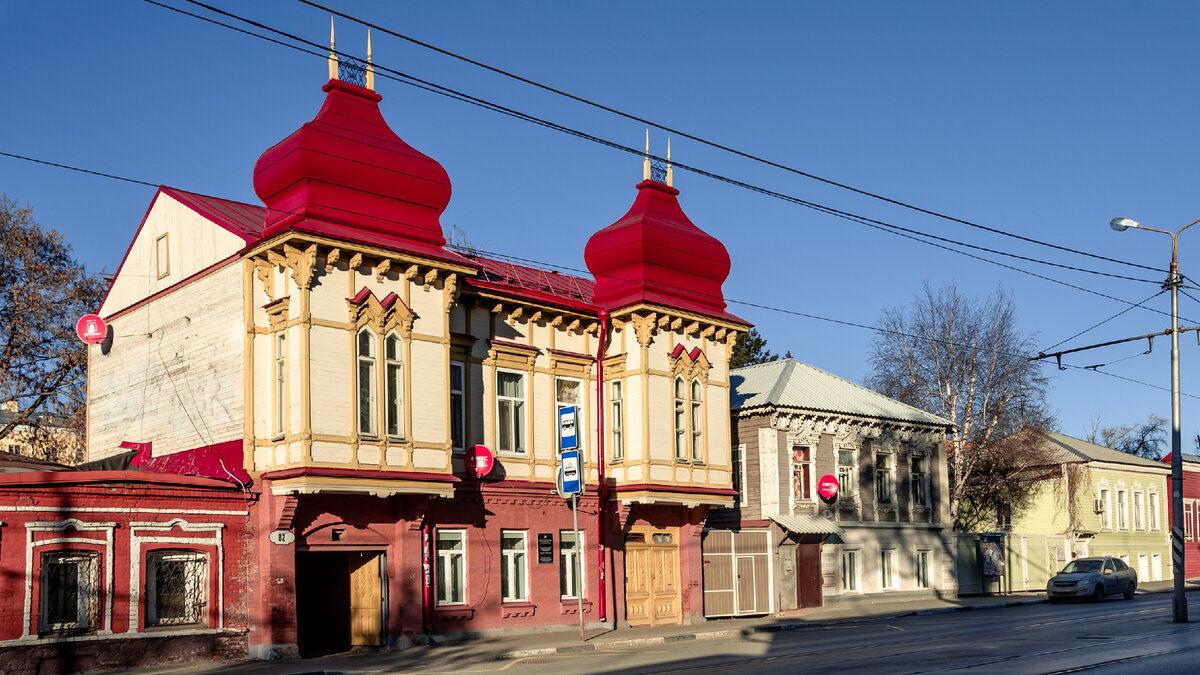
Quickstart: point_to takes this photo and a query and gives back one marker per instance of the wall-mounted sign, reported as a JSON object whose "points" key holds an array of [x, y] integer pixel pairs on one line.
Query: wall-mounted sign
{"points": [[827, 487], [479, 460], [545, 548], [282, 537], [568, 438], [91, 329]]}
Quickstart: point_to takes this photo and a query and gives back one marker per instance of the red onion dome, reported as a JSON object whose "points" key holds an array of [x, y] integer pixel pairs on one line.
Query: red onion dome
{"points": [[347, 175], [654, 254]]}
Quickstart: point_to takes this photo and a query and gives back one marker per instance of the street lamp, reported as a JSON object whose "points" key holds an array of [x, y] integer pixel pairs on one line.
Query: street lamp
{"points": [[1178, 601]]}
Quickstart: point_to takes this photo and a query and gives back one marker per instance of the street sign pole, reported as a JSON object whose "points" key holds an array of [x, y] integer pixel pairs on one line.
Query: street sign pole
{"points": [[578, 561]]}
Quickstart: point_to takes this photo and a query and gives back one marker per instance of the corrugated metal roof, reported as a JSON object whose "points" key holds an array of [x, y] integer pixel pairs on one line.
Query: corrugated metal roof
{"points": [[1061, 448], [792, 384], [808, 524]]}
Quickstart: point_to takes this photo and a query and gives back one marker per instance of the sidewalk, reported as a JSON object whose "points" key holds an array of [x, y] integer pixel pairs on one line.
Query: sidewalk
{"points": [[492, 647]]}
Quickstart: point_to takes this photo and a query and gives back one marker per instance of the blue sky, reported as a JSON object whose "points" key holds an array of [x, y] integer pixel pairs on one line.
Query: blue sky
{"points": [[1045, 120]]}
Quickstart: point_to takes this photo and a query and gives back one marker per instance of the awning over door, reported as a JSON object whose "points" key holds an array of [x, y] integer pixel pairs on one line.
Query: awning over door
{"points": [[808, 524]]}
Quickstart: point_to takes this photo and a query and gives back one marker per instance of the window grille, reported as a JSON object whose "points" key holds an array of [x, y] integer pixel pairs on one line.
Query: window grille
{"points": [[176, 582]]}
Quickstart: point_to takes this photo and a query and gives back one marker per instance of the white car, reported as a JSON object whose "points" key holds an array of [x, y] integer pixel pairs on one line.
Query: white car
{"points": [[1092, 579]]}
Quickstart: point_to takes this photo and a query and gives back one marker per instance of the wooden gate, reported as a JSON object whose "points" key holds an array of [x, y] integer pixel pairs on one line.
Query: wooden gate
{"points": [[737, 573], [652, 593]]}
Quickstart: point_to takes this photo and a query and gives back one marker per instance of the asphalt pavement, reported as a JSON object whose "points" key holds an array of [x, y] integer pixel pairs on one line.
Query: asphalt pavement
{"points": [[465, 649]]}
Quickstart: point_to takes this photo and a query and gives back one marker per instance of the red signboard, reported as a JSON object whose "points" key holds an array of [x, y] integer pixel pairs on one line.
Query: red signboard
{"points": [[91, 329], [479, 460], [827, 487]]}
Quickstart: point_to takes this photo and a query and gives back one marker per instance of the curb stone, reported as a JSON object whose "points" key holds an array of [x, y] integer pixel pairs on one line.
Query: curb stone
{"points": [[745, 632]]}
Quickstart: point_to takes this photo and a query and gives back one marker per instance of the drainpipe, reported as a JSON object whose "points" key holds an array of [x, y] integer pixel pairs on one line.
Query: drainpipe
{"points": [[426, 569], [602, 488]]}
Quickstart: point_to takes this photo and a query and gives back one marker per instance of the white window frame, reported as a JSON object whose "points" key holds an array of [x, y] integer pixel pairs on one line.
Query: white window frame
{"points": [[365, 376], [569, 567], [87, 591], [516, 414], [808, 479], [446, 566], [458, 404], [1139, 511], [280, 384], [393, 387], [580, 418], [919, 480], [1189, 508], [696, 419], [514, 566], [195, 588], [740, 481], [888, 477], [679, 418], [1106, 521], [847, 481], [921, 568], [1122, 514], [889, 575], [852, 581], [616, 427], [1152, 512]]}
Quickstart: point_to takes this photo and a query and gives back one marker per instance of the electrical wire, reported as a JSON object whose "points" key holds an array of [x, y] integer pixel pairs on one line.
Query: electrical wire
{"points": [[1097, 325], [457, 95], [701, 140]]}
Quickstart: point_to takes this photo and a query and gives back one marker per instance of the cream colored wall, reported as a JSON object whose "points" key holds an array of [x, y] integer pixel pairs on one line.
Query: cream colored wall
{"points": [[174, 374], [193, 243], [333, 410], [430, 367]]}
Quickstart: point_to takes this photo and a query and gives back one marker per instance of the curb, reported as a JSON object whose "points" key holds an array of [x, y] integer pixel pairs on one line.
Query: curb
{"points": [[746, 632]]}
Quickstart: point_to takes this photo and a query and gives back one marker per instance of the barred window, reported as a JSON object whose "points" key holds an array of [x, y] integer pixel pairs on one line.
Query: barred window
{"points": [[176, 585], [69, 590]]}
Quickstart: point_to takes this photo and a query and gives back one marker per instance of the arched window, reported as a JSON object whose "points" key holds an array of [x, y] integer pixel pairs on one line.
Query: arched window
{"points": [[697, 421], [366, 382], [395, 386], [680, 419]]}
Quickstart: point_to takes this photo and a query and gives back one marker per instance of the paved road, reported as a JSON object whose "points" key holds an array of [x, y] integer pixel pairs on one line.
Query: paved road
{"points": [[1116, 636]]}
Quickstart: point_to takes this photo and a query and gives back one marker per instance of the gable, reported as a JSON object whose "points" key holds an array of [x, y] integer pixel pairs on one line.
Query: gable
{"points": [[173, 242]]}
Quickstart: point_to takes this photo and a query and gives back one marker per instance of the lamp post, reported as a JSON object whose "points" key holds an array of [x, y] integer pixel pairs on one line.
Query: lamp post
{"points": [[1179, 612]]}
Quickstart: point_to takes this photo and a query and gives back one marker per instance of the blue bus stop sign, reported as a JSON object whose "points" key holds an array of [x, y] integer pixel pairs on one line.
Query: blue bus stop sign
{"points": [[571, 481]]}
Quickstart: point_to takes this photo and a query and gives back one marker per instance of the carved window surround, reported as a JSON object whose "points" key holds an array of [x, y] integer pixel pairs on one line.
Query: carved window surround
{"points": [[389, 314]]}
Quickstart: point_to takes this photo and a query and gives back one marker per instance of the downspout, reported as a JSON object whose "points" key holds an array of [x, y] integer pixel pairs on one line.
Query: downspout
{"points": [[602, 488], [426, 588]]}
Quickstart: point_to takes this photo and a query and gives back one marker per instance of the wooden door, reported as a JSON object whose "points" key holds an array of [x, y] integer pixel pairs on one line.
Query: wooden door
{"points": [[746, 584], [808, 574], [366, 599], [652, 594]]}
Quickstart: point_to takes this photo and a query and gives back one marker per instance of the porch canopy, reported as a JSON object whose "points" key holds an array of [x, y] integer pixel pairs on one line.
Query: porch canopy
{"points": [[803, 524]]}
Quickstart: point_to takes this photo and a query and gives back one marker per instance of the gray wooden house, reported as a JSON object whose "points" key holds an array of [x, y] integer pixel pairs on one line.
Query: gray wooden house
{"points": [[782, 546]]}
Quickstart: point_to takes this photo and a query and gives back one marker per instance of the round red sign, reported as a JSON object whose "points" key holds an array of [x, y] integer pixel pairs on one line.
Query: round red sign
{"points": [[479, 460], [827, 487], [91, 329]]}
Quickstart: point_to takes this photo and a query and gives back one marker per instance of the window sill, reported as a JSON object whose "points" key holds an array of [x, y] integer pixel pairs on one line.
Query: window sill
{"points": [[371, 439], [571, 606], [277, 438], [517, 608], [454, 613]]}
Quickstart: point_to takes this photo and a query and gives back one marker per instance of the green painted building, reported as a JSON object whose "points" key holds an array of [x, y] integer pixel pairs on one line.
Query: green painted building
{"points": [[1092, 500]]}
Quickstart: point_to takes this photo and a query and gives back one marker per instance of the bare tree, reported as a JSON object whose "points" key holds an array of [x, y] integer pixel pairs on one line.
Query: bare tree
{"points": [[1148, 439], [967, 362], [43, 365]]}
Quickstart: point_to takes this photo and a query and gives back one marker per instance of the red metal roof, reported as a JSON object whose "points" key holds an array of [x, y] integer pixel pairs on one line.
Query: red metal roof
{"points": [[244, 220], [533, 284]]}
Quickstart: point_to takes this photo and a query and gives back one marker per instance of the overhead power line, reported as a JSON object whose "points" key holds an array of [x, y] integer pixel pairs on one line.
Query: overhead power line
{"points": [[319, 50], [701, 140]]}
